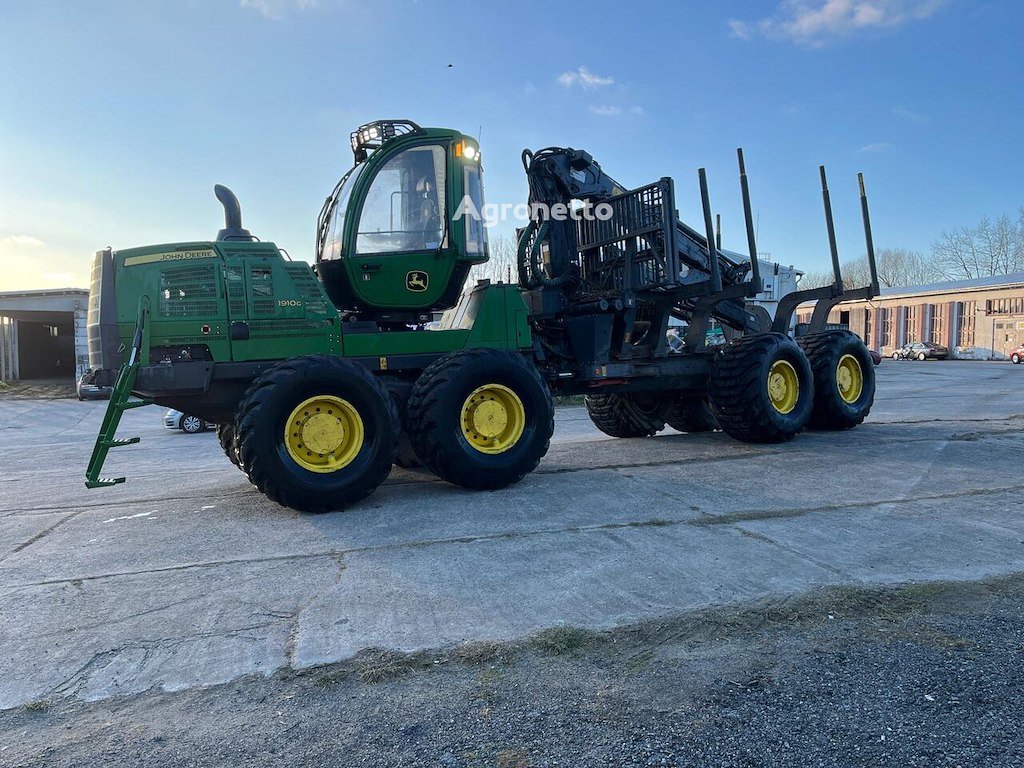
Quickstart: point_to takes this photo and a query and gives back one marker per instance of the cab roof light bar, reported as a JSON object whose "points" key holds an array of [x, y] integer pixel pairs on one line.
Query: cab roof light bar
{"points": [[373, 135]]}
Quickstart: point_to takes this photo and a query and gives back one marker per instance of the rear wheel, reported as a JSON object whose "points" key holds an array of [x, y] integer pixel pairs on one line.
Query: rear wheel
{"points": [[1015, 358], [192, 424], [690, 413], [921, 356], [844, 379], [480, 418], [628, 414], [317, 433], [226, 438], [761, 388]]}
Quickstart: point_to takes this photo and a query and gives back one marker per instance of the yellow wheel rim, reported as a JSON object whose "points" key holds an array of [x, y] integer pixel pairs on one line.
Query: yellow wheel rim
{"points": [[493, 418], [849, 379], [783, 386], [324, 434]]}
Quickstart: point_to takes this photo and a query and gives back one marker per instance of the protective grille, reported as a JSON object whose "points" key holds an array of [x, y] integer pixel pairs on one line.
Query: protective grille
{"points": [[236, 292], [262, 290], [308, 287], [286, 328], [633, 249], [188, 292]]}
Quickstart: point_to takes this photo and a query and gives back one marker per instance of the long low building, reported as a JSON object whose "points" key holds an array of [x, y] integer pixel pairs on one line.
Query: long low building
{"points": [[980, 319]]}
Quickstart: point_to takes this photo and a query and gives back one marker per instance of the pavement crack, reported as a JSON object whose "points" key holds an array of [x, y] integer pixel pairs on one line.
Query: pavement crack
{"points": [[758, 536], [702, 521], [292, 641], [41, 534]]}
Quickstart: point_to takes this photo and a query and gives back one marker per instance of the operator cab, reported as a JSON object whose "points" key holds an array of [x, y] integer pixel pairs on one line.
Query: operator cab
{"points": [[395, 240]]}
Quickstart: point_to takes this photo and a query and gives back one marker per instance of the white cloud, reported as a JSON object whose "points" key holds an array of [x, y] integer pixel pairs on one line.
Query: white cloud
{"points": [[880, 146], [610, 110], [276, 9], [909, 114], [584, 78], [815, 22], [20, 242]]}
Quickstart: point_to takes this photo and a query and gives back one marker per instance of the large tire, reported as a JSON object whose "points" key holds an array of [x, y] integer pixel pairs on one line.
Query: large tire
{"points": [[226, 438], [761, 388], [627, 414], [480, 418], [317, 433], [691, 413], [844, 379]]}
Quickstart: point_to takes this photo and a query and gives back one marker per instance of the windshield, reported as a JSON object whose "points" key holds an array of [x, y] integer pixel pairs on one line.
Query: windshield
{"points": [[404, 208], [333, 241]]}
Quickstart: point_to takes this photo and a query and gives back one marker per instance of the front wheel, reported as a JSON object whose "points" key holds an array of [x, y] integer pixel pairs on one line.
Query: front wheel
{"points": [[844, 379], [480, 418], [317, 433], [1015, 358], [761, 388], [921, 357]]}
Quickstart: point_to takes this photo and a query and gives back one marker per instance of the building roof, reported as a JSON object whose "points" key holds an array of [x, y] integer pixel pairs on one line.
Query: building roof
{"points": [[50, 305], [995, 281]]}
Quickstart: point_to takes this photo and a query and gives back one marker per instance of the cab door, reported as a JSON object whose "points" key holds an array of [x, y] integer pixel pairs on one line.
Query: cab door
{"points": [[403, 256]]}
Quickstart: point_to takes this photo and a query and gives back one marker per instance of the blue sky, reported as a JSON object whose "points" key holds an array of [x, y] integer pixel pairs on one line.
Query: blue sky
{"points": [[118, 117]]}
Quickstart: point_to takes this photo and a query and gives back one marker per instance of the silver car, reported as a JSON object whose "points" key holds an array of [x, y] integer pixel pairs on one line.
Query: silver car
{"points": [[191, 424]]}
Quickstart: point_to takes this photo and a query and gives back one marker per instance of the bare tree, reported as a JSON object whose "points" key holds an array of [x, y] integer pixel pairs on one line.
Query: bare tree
{"points": [[896, 267], [984, 250], [501, 267]]}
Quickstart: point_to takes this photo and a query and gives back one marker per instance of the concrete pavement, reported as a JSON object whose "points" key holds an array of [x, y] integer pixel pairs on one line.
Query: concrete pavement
{"points": [[186, 576]]}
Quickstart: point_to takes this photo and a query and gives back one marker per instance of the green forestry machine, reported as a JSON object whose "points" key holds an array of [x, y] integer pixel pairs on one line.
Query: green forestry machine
{"points": [[321, 378]]}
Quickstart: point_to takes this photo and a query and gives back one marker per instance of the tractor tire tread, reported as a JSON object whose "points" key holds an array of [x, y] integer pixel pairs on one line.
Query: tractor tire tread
{"points": [[736, 391], [828, 413], [617, 416], [250, 411], [425, 418]]}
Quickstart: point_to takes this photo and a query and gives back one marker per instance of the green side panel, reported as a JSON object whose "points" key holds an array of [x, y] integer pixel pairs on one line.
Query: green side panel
{"points": [[199, 292], [411, 343], [490, 316], [500, 319]]}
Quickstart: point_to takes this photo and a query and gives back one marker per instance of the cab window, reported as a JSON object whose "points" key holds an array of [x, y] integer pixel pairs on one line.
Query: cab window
{"points": [[404, 208]]}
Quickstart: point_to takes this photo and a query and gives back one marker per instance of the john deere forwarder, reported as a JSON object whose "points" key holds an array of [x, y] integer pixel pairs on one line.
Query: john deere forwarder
{"points": [[321, 378]]}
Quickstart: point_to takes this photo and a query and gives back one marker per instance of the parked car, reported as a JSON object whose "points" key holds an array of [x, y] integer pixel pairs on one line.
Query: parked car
{"points": [[921, 350], [876, 357], [186, 423], [1017, 355], [92, 387]]}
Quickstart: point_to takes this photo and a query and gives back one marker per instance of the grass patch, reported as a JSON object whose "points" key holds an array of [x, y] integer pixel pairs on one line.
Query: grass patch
{"points": [[379, 666], [478, 652], [559, 641], [512, 758]]}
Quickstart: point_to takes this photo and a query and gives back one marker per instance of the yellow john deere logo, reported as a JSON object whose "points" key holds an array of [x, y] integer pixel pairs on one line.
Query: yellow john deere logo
{"points": [[417, 281]]}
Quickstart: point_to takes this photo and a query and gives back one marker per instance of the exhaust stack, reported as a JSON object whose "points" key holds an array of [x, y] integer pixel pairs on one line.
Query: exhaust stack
{"points": [[232, 215]]}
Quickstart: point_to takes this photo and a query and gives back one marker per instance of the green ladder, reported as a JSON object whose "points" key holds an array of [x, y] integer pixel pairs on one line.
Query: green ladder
{"points": [[120, 401]]}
